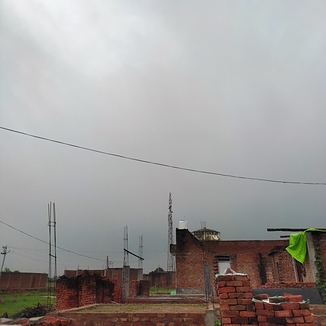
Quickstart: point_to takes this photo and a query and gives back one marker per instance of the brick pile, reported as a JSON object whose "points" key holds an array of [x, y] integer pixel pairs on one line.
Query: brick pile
{"points": [[284, 310], [238, 307], [235, 296]]}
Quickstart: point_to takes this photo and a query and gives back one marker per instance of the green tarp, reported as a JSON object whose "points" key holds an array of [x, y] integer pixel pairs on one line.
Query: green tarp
{"points": [[298, 244]]}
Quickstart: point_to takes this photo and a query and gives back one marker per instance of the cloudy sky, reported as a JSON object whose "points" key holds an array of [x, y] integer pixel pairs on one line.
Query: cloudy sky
{"points": [[230, 87]]}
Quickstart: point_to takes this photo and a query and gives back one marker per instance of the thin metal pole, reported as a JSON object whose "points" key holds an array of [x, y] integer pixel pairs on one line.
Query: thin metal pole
{"points": [[50, 255], [4, 253], [55, 243]]}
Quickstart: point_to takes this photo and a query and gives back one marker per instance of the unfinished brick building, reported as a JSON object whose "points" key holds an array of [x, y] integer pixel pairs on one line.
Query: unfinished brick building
{"points": [[266, 262], [85, 289], [134, 274]]}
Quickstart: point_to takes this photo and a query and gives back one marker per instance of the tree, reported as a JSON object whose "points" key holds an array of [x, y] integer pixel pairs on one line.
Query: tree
{"points": [[159, 270], [7, 270]]}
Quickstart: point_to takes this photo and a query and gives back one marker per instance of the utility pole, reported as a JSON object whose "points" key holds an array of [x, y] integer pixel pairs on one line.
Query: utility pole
{"points": [[4, 253], [170, 263]]}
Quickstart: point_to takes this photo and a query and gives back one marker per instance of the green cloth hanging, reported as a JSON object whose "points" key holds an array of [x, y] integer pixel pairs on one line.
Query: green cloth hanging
{"points": [[298, 244]]}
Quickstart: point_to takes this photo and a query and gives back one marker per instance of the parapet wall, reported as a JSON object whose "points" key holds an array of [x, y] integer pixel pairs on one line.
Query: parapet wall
{"points": [[85, 289], [237, 305]]}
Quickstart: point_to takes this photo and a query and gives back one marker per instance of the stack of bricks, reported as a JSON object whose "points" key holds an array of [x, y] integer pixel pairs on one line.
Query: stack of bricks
{"points": [[237, 307], [235, 297], [285, 310]]}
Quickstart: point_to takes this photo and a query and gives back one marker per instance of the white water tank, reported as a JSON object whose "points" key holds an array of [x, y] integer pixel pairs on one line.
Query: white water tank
{"points": [[183, 225]]}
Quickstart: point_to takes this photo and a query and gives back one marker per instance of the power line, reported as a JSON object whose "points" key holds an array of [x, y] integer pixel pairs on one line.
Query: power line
{"points": [[164, 164], [38, 239]]}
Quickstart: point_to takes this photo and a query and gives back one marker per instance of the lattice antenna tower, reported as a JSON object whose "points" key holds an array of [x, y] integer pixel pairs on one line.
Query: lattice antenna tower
{"points": [[52, 255], [141, 250], [170, 264], [125, 251]]}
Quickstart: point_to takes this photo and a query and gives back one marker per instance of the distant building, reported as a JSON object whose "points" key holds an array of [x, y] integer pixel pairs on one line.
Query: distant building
{"points": [[207, 234], [23, 281]]}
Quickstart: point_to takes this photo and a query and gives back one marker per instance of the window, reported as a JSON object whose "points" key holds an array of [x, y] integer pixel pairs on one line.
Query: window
{"points": [[223, 262]]}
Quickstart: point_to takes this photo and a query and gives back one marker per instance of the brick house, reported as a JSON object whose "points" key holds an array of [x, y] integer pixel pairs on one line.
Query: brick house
{"points": [[266, 262]]}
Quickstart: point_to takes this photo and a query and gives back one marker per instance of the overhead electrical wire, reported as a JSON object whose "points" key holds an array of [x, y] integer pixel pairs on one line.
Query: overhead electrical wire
{"points": [[164, 164], [38, 239]]}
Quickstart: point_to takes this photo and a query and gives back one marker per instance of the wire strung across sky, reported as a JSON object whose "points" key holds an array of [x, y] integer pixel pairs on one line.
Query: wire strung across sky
{"points": [[164, 164], [38, 239]]}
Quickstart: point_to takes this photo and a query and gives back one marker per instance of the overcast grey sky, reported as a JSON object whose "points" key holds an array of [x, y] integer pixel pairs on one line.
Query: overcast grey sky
{"points": [[233, 87]]}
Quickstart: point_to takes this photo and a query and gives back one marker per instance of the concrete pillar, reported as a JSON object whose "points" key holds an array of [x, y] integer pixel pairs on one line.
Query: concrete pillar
{"points": [[210, 317]]}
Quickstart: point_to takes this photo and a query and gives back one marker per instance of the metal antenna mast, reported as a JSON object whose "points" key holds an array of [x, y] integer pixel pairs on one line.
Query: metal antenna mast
{"points": [[140, 252], [125, 251], [170, 264], [52, 225]]}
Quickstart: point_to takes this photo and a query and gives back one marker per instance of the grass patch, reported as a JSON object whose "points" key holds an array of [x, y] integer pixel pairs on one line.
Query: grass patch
{"points": [[157, 290], [13, 303]]}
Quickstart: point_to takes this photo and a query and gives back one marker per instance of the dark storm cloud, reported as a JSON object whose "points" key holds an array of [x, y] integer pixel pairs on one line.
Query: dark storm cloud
{"points": [[219, 86]]}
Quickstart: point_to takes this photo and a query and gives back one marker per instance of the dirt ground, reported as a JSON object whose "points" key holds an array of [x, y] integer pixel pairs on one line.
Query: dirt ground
{"points": [[146, 308]]}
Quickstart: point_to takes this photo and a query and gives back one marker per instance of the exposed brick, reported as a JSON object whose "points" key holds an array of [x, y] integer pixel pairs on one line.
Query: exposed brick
{"points": [[262, 318], [277, 307], [309, 319], [265, 313], [261, 296], [226, 321], [223, 295], [226, 278], [228, 313], [244, 289], [259, 305], [230, 301], [238, 307], [268, 306], [295, 320], [228, 289], [283, 313], [221, 284], [239, 320], [290, 306], [234, 283], [247, 314], [303, 312], [245, 301], [294, 298], [276, 320]]}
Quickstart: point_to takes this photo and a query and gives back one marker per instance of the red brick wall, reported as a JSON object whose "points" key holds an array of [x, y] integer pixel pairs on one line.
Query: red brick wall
{"points": [[162, 280], [138, 288], [85, 290], [135, 319], [23, 281], [110, 273], [252, 257], [319, 241]]}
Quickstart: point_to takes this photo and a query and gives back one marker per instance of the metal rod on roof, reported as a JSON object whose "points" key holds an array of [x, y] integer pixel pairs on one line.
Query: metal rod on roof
{"points": [[286, 229]]}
